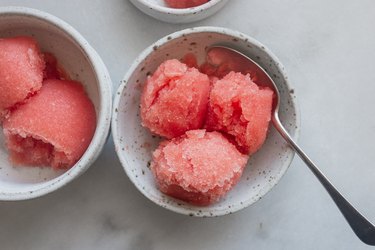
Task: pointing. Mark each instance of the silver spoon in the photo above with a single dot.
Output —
(364, 229)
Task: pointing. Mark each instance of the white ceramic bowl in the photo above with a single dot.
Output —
(134, 144)
(82, 63)
(158, 10)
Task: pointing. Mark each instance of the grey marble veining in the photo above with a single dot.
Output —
(327, 48)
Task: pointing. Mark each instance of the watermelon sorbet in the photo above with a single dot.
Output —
(174, 99)
(47, 121)
(241, 109)
(53, 127)
(21, 71)
(178, 101)
(199, 167)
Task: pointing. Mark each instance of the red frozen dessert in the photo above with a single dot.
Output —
(241, 109)
(54, 127)
(53, 70)
(21, 71)
(198, 167)
(174, 99)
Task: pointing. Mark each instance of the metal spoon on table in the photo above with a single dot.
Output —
(364, 229)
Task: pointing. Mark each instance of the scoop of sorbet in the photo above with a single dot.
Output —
(174, 99)
(21, 71)
(53, 128)
(181, 4)
(199, 167)
(241, 109)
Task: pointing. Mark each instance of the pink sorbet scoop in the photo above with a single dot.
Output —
(54, 127)
(241, 109)
(21, 71)
(199, 167)
(174, 99)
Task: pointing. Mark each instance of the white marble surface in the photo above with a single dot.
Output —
(328, 50)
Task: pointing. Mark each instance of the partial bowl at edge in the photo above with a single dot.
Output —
(157, 9)
(83, 64)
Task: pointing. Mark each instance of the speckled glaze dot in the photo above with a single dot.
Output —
(264, 169)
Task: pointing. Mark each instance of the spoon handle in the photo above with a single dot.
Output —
(364, 229)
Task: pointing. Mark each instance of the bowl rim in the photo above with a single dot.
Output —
(174, 11)
(104, 114)
(143, 55)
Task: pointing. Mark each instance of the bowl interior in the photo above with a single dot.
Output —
(157, 2)
(134, 144)
(74, 60)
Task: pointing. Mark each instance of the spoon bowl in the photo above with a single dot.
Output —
(239, 62)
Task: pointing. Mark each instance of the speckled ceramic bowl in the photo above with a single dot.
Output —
(134, 144)
(158, 10)
(82, 63)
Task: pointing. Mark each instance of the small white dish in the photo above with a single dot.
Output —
(135, 144)
(158, 10)
(81, 63)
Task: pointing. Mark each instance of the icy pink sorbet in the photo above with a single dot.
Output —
(182, 4)
(21, 71)
(198, 167)
(174, 99)
(241, 109)
(53, 127)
